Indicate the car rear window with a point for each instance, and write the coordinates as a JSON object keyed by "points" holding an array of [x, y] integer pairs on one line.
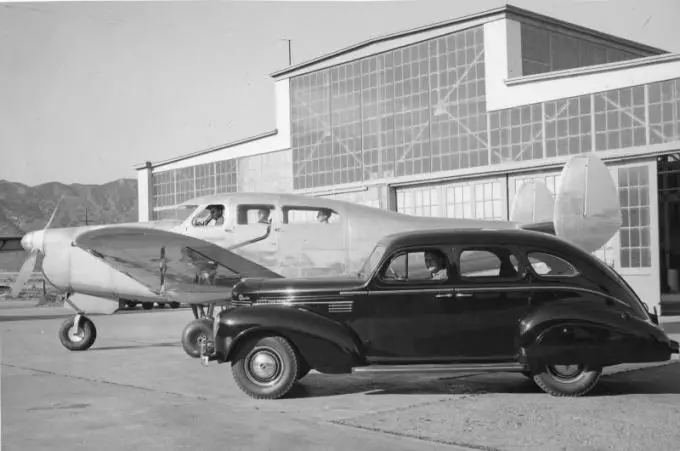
{"points": [[548, 265]]}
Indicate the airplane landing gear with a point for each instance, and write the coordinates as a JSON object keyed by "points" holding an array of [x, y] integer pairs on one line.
{"points": [[78, 333], [199, 331]]}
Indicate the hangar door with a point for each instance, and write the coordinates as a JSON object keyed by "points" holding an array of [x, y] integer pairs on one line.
{"points": [[477, 199], [633, 251]]}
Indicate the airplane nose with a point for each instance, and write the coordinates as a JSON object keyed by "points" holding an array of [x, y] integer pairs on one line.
{"points": [[27, 241]]}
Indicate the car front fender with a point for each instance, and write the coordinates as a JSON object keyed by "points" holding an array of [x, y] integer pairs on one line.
{"points": [[326, 345], [588, 333]]}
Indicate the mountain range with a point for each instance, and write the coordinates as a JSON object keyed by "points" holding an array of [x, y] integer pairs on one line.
{"points": [[27, 208]]}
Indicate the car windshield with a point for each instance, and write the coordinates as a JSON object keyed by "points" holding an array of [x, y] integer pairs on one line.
{"points": [[371, 262]]}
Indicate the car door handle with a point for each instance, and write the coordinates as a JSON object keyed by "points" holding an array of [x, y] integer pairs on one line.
{"points": [[443, 295]]}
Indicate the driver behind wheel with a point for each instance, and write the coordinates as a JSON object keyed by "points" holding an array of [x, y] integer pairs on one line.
{"points": [[435, 264]]}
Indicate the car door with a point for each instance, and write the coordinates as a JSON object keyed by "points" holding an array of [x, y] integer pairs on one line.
{"points": [[491, 295], [403, 318]]}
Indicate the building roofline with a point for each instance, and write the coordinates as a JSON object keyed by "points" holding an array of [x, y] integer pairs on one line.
{"points": [[502, 11], [149, 165]]}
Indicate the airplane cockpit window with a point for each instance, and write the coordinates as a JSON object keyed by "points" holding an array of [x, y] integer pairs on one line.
{"points": [[309, 215], [255, 214], [212, 215]]}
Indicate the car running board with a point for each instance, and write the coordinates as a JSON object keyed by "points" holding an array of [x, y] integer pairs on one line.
{"points": [[506, 367]]}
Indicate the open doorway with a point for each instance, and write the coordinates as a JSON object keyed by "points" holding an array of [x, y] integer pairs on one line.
{"points": [[668, 170]]}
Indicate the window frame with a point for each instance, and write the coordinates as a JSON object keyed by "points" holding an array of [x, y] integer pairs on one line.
{"points": [[242, 210], [553, 254], [285, 210], [380, 275], [458, 251]]}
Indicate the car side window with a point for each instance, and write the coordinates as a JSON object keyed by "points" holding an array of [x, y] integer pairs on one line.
{"points": [[547, 265], [489, 263], [416, 266]]}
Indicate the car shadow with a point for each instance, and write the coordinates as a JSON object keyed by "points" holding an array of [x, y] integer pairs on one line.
{"points": [[649, 381]]}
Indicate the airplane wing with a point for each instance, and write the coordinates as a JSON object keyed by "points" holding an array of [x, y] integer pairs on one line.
{"points": [[10, 244], [170, 264]]}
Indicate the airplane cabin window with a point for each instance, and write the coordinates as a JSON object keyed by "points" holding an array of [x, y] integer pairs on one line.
{"points": [[550, 265], [212, 215], [488, 263], [417, 266], [255, 214], [309, 215]]}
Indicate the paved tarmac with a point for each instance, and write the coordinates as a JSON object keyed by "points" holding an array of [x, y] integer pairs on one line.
{"points": [[136, 389]]}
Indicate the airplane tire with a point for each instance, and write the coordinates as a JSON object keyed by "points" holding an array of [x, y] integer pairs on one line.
{"points": [[265, 367], [193, 335], [83, 339], [567, 380], [147, 305]]}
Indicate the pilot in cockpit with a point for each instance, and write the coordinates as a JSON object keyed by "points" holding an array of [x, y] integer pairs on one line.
{"points": [[216, 215]]}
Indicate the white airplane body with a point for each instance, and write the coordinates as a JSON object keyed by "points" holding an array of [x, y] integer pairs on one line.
{"points": [[186, 261]]}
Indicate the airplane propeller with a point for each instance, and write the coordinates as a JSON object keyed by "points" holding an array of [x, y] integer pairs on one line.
{"points": [[36, 245], [164, 268]]}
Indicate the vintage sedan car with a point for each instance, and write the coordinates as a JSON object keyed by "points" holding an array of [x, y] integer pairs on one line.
{"points": [[443, 301]]}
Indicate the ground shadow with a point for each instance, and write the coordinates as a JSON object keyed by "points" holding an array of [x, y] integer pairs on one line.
{"points": [[136, 346], [648, 381]]}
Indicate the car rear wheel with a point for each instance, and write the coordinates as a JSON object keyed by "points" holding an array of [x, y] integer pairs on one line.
{"points": [[265, 367], [567, 380]]}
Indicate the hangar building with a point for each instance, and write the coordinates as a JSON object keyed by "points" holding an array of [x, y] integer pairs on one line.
{"points": [[449, 119]]}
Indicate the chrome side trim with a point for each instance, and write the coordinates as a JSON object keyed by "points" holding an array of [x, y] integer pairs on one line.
{"points": [[441, 368]]}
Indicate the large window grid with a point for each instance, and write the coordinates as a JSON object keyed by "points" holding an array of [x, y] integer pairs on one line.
{"points": [[635, 233], [422, 109], [545, 50], [407, 96], [461, 200], [170, 188]]}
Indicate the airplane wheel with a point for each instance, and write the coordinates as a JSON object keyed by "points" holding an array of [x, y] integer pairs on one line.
{"points": [[265, 367], [147, 305], [567, 380], [82, 339], [195, 333], [174, 304]]}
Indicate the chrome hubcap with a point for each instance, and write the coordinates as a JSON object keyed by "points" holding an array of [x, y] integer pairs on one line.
{"points": [[264, 366], [566, 373]]}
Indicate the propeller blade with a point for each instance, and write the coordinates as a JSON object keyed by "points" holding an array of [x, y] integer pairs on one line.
{"points": [[164, 268], [54, 213], [24, 274]]}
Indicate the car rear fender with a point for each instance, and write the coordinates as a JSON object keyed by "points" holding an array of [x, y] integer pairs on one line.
{"points": [[325, 345], [588, 333]]}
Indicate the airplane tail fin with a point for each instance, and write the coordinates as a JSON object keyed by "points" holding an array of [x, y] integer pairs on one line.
{"points": [[586, 210]]}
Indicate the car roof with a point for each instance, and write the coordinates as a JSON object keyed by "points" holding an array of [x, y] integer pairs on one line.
{"points": [[479, 236]]}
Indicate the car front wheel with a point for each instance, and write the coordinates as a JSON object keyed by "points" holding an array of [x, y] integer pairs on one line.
{"points": [[265, 367], [567, 380]]}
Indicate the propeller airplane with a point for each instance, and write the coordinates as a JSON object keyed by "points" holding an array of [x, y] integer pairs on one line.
{"points": [[228, 237]]}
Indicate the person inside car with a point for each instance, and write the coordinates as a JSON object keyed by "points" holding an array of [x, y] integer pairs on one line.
{"points": [[434, 262]]}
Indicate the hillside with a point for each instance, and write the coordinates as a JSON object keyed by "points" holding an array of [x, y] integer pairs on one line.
{"points": [[27, 208]]}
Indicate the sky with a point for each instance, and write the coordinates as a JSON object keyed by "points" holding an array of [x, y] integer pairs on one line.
{"points": [[89, 89]]}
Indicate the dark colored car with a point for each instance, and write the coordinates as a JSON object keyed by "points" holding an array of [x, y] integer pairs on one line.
{"points": [[499, 301]]}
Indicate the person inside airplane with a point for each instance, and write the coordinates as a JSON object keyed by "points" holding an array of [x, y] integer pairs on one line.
{"points": [[263, 215], [435, 264], [323, 216], [216, 215]]}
